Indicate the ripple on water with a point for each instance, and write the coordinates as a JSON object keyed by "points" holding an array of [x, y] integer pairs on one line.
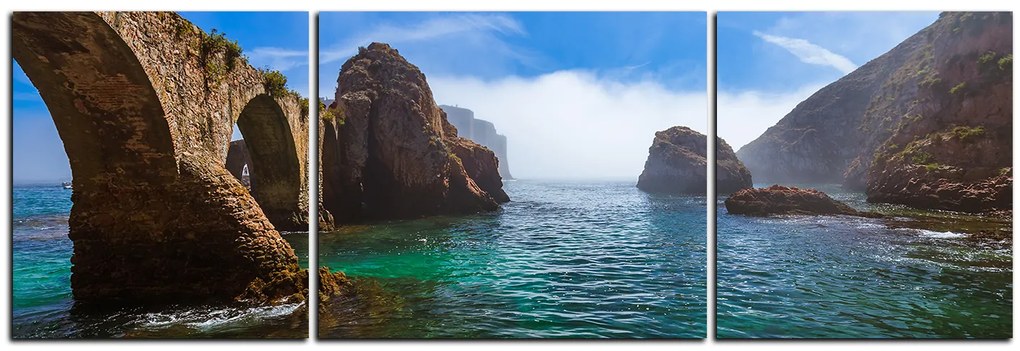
{"points": [[43, 306], [847, 277], [597, 259]]}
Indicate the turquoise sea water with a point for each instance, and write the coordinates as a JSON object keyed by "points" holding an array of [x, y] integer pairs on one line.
{"points": [[43, 306], [561, 260], [919, 274]]}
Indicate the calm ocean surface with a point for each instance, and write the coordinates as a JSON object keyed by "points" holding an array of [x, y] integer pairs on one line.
{"points": [[918, 275], [562, 259], [43, 307]]}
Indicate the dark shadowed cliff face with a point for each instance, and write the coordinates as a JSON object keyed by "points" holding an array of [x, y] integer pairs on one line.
{"points": [[730, 173], [954, 151], [676, 163], [950, 78], [395, 154], [480, 131]]}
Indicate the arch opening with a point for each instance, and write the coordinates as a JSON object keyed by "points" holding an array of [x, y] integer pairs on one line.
{"points": [[149, 225], [268, 151]]}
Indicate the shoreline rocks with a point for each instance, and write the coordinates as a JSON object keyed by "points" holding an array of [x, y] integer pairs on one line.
{"points": [[782, 200]]}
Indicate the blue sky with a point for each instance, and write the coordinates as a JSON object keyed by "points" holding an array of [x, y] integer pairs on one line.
{"points": [[278, 40], [770, 61], [551, 82]]}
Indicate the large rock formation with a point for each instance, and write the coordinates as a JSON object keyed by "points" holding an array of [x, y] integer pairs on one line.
{"points": [[730, 173], [887, 127], [676, 164], [480, 131], [389, 152], [144, 103], [955, 151], [781, 200]]}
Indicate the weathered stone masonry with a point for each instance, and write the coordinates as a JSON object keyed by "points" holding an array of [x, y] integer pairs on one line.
{"points": [[145, 111]]}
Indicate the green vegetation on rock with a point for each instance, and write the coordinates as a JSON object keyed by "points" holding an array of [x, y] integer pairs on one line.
{"points": [[965, 133], [1006, 62], [958, 88], [216, 42]]}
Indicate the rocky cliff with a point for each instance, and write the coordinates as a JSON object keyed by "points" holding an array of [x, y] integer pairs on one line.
{"points": [[730, 173], [480, 131], [676, 163], [925, 124], [389, 152], [954, 152]]}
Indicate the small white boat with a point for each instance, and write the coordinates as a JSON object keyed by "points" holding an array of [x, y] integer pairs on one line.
{"points": [[66, 185]]}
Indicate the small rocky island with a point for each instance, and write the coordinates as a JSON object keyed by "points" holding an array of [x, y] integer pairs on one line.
{"points": [[388, 150], [782, 200], [677, 164]]}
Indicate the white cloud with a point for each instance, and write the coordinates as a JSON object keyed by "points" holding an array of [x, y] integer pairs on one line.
{"points": [[573, 124], [810, 53], [745, 115], [277, 58], [431, 29]]}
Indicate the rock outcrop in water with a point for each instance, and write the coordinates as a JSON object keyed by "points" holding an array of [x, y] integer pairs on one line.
{"points": [[677, 164], [928, 124], [480, 131], [389, 152], [781, 200], [730, 173]]}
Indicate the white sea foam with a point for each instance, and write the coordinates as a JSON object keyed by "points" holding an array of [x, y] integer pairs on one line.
{"points": [[940, 235], [213, 319]]}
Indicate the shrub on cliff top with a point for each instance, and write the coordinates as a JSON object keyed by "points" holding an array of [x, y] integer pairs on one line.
{"points": [[275, 82], [217, 41]]}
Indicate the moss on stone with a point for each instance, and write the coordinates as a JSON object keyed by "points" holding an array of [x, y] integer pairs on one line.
{"points": [[958, 88], [965, 133], [1006, 62]]}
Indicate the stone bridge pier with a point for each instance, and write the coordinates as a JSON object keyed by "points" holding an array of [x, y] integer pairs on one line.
{"points": [[144, 103]]}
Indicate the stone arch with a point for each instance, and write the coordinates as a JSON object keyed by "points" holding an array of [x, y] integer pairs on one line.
{"points": [[150, 223], [272, 159], [104, 107]]}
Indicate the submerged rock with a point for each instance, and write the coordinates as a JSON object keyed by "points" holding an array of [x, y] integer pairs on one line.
{"points": [[333, 285], [392, 153], [677, 164], [781, 200]]}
